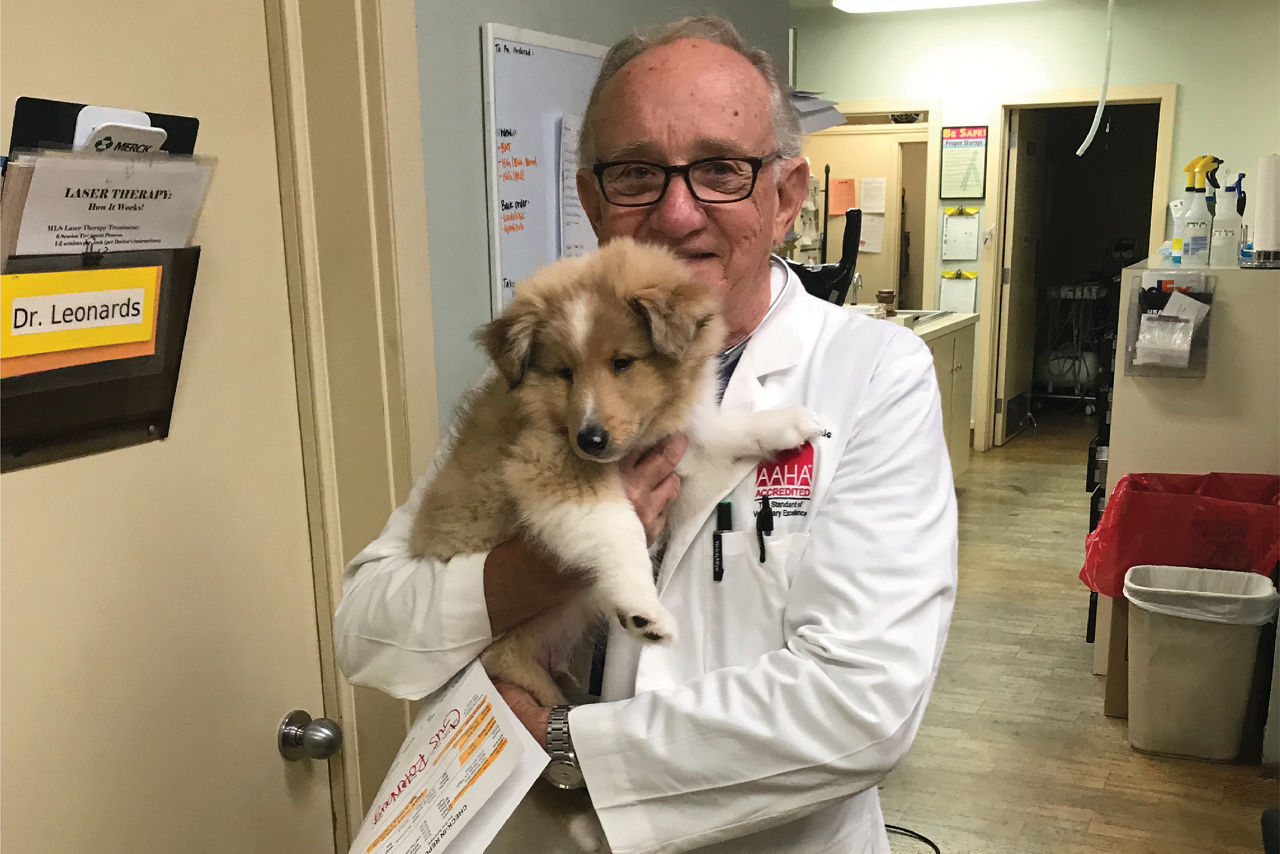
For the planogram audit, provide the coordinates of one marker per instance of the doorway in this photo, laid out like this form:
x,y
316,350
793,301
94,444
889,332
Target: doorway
x,y
912,172
1071,224
882,162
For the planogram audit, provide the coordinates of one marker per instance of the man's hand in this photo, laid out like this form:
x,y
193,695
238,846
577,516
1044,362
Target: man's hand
x,y
533,716
651,482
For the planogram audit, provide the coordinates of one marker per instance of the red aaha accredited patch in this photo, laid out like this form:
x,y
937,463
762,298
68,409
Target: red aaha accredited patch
x,y
788,476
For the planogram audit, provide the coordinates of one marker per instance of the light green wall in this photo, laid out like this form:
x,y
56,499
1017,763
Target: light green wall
x,y
453,141
1224,56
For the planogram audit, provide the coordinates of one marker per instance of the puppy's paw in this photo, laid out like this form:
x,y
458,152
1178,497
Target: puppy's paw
x,y
785,428
649,623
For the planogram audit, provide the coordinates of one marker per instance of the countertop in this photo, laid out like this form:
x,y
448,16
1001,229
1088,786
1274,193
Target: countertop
x,y
934,327
939,326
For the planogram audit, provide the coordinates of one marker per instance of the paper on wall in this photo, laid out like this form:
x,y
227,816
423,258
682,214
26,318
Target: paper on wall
x,y
576,235
873,193
462,770
842,194
959,237
872,237
958,292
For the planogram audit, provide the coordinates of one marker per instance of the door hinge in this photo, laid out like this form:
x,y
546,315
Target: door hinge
x,y
1006,275
999,405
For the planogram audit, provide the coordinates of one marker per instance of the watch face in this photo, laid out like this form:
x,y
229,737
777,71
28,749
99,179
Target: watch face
x,y
564,774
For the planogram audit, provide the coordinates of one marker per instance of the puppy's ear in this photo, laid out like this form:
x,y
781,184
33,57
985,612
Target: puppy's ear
x,y
675,315
509,341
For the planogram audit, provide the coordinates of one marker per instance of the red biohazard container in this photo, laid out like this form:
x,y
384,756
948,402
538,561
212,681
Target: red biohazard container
x,y
1217,520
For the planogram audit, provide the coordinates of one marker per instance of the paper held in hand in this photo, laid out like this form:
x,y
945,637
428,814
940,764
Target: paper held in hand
x,y
464,767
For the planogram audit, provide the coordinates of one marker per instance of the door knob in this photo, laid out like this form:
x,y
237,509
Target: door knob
x,y
300,737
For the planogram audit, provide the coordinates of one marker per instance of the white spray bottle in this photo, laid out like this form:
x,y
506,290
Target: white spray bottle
x,y
1224,245
1197,222
1178,207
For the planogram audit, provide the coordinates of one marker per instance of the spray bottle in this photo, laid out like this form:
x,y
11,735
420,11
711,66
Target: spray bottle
x,y
1197,222
1178,207
1224,245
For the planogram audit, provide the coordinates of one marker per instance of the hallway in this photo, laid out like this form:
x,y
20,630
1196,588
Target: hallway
x,y
1015,755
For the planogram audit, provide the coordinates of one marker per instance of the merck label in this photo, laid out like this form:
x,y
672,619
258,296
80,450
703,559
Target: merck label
x,y
788,476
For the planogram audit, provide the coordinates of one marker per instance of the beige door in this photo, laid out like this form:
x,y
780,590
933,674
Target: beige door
x,y
866,151
158,610
1023,224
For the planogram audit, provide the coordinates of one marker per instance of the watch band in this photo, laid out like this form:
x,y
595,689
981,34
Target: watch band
x,y
559,744
563,770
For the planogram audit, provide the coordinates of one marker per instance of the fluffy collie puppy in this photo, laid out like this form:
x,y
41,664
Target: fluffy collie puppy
x,y
595,357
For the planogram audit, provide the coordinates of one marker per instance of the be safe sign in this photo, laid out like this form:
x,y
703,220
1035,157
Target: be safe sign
x,y
75,310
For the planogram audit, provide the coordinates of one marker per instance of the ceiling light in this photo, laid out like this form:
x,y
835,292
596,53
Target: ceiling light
x,y
856,7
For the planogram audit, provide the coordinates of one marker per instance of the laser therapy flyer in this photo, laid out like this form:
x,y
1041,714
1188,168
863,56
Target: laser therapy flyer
x,y
82,203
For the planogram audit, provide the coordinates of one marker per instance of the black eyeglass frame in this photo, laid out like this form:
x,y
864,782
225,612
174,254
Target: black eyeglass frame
x,y
756,164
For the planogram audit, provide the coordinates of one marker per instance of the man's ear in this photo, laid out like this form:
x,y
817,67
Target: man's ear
x,y
793,185
508,340
674,315
589,195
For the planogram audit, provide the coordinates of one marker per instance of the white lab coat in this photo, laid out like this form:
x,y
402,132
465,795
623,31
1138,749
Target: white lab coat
x,y
796,684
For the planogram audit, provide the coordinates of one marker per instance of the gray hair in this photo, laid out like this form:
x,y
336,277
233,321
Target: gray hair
x,y
786,121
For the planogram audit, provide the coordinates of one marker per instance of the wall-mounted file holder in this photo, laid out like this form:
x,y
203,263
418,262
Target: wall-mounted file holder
x,y
1159,343
100,385
43,123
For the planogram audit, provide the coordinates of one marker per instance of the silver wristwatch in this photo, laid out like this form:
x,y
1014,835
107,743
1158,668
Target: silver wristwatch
x,y
563,772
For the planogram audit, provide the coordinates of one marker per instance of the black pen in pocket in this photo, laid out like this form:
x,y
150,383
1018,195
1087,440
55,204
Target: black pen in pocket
x,y
724,522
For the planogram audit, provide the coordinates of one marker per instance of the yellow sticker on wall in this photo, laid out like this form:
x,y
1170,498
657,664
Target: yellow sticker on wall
x,y
74,309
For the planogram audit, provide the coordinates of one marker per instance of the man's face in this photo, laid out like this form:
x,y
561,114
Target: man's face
x,y
680,102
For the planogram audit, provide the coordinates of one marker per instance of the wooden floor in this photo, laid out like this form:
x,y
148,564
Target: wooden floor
x,y
1015,754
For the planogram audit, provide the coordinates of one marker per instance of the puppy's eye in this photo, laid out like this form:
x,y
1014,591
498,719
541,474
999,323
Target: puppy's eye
x,y
566,374
621,363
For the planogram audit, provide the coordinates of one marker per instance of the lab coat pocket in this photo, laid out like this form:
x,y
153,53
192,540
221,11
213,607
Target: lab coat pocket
x,y
748,602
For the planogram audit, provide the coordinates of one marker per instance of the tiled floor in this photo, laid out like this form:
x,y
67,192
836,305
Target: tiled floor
x,y
1015,755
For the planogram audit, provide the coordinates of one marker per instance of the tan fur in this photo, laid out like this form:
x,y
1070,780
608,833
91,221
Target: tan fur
x,y
515,465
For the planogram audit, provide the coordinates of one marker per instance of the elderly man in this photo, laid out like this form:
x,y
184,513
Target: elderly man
x,y
804,664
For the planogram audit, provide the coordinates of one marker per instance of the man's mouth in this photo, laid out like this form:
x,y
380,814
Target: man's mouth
x,y
690,256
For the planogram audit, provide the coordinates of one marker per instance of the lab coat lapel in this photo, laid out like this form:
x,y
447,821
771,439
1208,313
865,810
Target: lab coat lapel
x,y
775,346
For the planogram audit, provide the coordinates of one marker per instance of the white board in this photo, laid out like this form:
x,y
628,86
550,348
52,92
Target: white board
x,y
532,83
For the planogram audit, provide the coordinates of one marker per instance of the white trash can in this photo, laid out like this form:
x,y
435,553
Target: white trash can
x,y
1193,640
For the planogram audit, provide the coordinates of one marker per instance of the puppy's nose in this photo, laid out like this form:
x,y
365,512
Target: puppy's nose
x,y
593,439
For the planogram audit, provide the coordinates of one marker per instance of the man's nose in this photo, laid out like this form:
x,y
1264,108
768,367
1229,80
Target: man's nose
x,y
677,213
593,439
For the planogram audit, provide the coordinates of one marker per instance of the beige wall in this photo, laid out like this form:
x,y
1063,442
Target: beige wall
x,y
1228,420
158,612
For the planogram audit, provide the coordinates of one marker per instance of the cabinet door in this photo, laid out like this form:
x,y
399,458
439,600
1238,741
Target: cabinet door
x,y
958,432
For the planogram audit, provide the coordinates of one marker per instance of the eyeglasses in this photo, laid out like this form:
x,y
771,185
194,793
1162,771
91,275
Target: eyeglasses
x,y
711,180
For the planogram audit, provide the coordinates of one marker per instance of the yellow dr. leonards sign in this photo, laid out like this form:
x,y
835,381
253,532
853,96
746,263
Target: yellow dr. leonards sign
x,y
51,312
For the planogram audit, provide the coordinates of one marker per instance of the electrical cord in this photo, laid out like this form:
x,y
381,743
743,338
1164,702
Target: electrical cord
x,y
904,831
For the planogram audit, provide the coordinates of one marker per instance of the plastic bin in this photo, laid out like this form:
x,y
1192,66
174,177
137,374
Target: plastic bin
x,y
1193,641
1225,521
